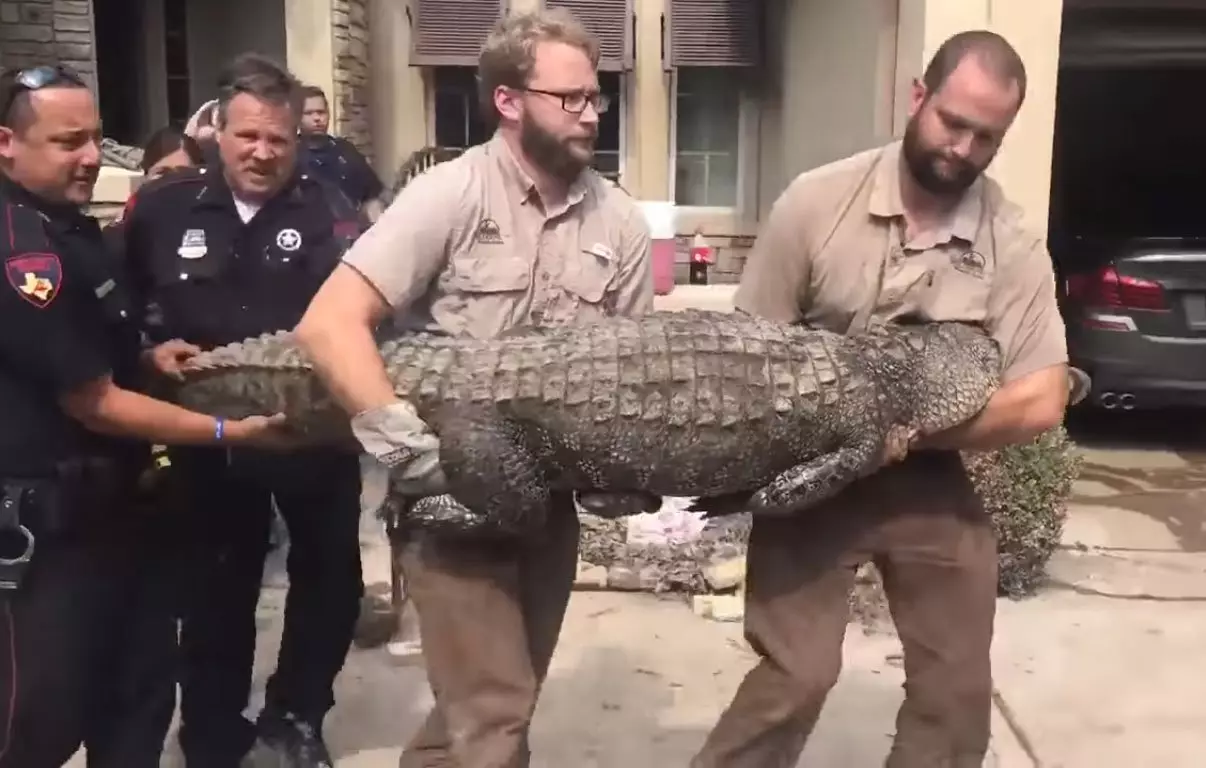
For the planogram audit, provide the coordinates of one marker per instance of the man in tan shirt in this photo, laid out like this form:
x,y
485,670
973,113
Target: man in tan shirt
x,y
516,232
910,229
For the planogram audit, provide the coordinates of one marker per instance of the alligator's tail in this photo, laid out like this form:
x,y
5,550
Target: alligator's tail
x,y
270,374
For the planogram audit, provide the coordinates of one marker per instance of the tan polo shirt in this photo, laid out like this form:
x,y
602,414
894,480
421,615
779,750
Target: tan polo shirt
x,y
832,254
468,247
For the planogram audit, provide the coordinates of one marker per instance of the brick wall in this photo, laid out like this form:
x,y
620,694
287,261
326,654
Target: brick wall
x,y
351,49
42,31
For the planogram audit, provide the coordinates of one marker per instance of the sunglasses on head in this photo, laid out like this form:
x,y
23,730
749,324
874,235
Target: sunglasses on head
x,y
15,82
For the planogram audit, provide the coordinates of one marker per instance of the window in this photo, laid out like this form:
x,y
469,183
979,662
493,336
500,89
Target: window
x,y
459,123
458,118
609,148
175,45
707,136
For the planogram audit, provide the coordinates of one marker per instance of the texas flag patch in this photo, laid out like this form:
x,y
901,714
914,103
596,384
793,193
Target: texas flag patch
x,y
36,277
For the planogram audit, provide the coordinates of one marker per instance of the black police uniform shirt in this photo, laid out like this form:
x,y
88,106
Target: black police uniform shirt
x,y
210,278
66,319
337,160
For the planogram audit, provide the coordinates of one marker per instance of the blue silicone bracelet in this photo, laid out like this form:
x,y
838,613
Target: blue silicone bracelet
x,y
219,429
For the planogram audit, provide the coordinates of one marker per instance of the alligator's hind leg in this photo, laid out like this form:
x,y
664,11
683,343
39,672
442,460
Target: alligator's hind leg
x,y
806,485
491,470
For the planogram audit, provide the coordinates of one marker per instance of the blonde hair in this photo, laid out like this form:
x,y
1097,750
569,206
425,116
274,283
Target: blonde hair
x,y
509,54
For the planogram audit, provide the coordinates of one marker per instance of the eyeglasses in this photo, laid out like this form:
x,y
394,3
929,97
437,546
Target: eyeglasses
x,y
15,82
575,102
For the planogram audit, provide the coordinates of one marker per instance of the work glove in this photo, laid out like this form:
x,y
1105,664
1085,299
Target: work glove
x,y
395,436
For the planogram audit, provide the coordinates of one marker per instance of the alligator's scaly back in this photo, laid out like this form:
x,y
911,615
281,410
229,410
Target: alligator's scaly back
x,y
690,403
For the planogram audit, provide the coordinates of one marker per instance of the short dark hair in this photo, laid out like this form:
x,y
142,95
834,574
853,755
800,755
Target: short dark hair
x,y
17,83
259,76
991,50
167,140
313,92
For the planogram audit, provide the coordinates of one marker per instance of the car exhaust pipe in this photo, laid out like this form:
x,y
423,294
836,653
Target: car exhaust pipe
x,y
1126,401
1108,400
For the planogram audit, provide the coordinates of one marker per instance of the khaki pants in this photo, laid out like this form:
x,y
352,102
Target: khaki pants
x,y
489,617
922,525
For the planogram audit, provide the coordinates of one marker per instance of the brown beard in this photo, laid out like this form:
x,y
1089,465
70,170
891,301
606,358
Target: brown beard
x,y
919,159
549,153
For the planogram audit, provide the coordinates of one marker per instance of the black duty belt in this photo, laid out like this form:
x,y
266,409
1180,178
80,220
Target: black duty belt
x,y
54,502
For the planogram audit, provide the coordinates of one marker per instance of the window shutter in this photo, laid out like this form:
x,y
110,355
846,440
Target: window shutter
x,y
611,22
451,32
715,33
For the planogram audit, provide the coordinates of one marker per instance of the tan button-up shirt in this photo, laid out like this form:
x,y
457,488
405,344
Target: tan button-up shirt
x,y
833,254
468,247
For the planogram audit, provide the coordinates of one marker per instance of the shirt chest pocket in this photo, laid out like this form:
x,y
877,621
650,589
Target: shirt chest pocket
x,y
947,284
191,259
493,272
590,274
297,249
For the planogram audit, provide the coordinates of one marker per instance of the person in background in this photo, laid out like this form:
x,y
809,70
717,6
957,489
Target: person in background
x,y
167,149
336,158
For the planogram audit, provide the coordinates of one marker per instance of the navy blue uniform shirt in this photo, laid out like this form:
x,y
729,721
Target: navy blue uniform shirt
x,y
337,160
211,279
66,319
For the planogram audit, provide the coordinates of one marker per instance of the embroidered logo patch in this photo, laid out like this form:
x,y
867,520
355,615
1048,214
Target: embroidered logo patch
x,y
488,232
36,277
969,263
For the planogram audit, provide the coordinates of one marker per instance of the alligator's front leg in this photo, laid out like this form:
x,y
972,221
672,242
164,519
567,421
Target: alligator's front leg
x,y
493,479
806,485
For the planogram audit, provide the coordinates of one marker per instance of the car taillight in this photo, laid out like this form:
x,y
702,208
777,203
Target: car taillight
x,y
1105,288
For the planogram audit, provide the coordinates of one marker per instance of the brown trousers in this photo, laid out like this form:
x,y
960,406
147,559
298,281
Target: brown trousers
x,y
489,618
922,525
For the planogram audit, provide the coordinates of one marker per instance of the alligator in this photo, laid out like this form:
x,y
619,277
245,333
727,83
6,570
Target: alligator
x,y
739,411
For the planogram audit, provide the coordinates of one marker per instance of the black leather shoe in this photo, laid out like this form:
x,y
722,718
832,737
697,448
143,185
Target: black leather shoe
x,y
286,741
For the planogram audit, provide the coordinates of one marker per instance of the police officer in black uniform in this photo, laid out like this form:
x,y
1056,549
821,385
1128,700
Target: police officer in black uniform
x,y
335,158
76,438
233,250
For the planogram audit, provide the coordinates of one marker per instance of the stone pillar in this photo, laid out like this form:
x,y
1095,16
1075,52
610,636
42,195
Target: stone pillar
x,y
351,73
48,31
1023,166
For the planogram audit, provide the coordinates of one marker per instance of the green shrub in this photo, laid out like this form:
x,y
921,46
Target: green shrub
x,y
1026,488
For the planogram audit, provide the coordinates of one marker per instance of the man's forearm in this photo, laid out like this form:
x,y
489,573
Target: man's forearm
x,y
349,365
1016,413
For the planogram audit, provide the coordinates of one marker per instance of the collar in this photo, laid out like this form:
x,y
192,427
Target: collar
x,y
216,193
63,213
519,180
963,222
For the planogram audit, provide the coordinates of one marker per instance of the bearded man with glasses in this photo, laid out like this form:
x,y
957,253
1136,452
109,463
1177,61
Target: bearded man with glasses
x,y
518,231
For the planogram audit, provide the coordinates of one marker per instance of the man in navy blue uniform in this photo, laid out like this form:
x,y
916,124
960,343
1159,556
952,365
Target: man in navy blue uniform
x,y
233,250
86,657
336,158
